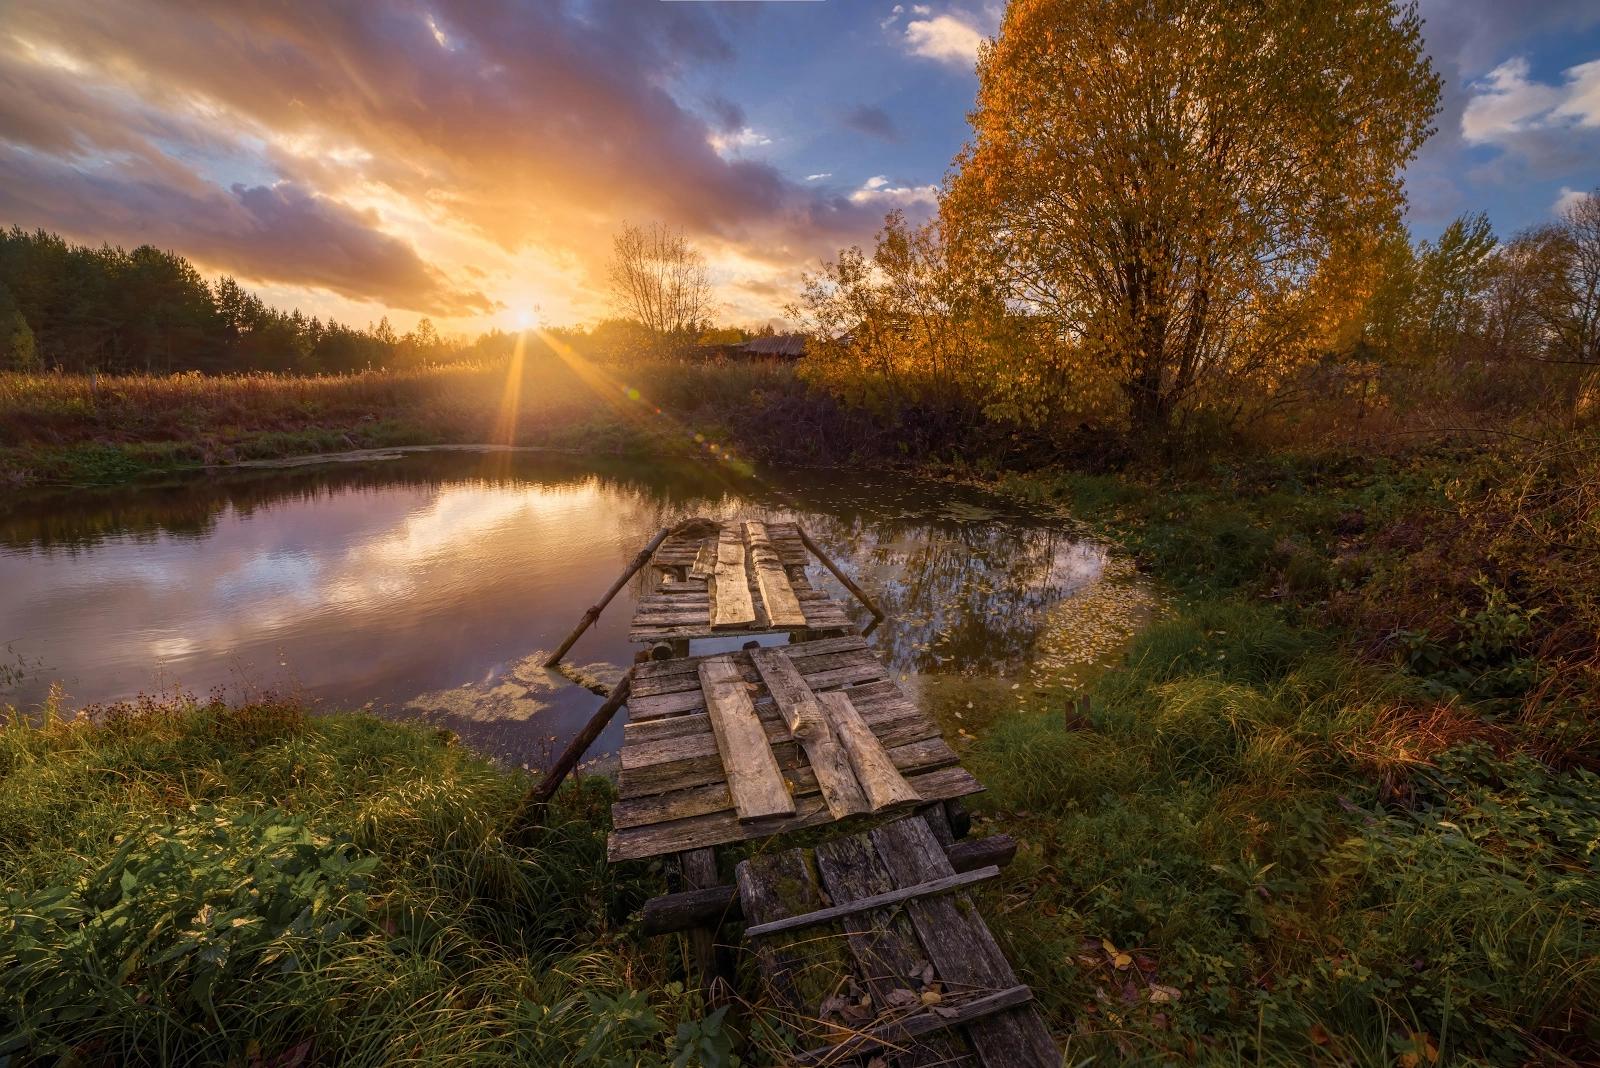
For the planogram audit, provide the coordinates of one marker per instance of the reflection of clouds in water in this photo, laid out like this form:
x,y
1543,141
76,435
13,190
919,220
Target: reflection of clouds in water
x,y
515,693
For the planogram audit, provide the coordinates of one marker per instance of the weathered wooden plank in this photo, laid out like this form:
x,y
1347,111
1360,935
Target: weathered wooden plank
x,y
783,609
883,786
875,696
686,682
962,949
898,1034
724,827
829,760
705,559
754,780
695,760
797,652
796,973
731,604
686,701
682,801
942,885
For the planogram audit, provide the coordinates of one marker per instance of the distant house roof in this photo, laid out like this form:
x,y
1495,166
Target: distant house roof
x,y
789,345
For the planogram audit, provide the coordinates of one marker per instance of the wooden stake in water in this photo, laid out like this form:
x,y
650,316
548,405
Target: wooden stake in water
x,y
594,612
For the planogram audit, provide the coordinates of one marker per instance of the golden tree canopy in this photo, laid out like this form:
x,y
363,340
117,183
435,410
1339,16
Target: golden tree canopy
x,y
1180,186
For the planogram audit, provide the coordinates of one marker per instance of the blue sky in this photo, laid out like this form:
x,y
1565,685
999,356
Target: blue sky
x,y
469,159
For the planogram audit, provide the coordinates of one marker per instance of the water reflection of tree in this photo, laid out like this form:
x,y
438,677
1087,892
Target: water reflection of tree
x,y
960,597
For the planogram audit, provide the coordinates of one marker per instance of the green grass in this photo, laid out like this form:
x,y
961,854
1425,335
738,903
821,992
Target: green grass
x,y
199,884
1315,845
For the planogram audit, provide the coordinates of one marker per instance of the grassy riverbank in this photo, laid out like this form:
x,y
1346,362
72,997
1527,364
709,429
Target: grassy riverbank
x,y
77,430
1339,806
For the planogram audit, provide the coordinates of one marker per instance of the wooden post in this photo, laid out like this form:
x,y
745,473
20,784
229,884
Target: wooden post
x,y
699,868
594,612
545,788
849,583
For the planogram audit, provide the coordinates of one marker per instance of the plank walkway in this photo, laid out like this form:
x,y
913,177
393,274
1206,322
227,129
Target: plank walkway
x,y
868,944
900,965
674,779
742,578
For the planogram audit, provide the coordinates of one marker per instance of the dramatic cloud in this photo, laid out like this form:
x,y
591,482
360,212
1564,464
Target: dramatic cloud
x,y
945,38
872,121
349,147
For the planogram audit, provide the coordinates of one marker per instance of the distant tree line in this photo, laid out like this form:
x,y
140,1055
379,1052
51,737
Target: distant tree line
x,y
108,309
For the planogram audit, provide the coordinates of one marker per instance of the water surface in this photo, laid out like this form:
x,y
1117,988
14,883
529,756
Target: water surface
x,y
429,585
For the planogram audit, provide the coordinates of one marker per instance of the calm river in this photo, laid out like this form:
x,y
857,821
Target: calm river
x,y
427,585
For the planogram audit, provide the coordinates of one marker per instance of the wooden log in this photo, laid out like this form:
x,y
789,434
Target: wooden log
x,y
705,560
880,781
897,1034
545,788
594,611
754,780
731,605
942,885
715,905
846,580
830,760
783,609
963,950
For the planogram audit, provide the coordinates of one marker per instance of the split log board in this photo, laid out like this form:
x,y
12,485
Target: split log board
x,y
824,749
754,780
783,609
731,605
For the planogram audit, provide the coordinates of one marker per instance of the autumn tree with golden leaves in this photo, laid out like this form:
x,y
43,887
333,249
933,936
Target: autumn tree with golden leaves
x,y
1185,190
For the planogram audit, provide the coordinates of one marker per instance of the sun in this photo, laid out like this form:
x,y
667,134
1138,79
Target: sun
x,y
527,319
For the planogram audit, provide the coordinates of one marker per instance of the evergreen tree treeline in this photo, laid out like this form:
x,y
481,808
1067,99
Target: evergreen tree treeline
x,y
107,309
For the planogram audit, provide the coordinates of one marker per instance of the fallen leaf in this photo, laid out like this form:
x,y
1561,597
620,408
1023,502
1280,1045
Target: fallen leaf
x,y
931,997
900,997
1162,994
1122,960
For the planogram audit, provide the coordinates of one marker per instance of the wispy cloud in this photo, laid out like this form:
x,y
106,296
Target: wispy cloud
x,y
1507,102
877,190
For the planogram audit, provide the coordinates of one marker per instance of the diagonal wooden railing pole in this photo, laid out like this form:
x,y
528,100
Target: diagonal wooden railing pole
x,y
594,613
541,792
849,583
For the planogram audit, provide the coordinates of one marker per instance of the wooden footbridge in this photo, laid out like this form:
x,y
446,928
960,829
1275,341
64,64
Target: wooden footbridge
x,y
866,941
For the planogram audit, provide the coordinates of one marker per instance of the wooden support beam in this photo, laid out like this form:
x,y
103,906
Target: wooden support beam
x,y
594,612
827,752
848,582
896,1034
783,608
941,885
715,905
545,788
754,779
879,779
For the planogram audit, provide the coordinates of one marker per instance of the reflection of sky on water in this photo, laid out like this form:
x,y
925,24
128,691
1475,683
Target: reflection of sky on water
x,y
427,583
